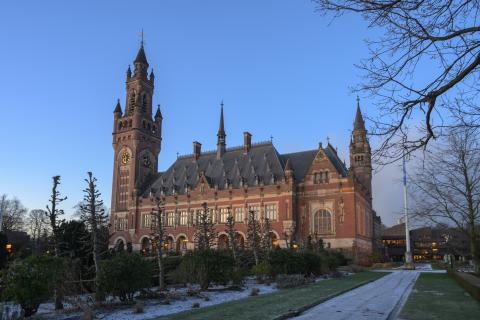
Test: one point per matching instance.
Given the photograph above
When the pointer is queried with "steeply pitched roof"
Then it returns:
(262, 164)
(141, 57)
(359, 123)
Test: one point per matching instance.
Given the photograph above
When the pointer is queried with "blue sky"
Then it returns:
(280, 67)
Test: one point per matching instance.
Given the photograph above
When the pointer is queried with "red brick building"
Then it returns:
(304, 193)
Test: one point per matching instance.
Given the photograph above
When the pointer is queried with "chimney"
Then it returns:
(197, 149)
(247, 141)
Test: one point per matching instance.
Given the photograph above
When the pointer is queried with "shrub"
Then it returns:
(204, 267)
(291, 280)
(286, 262)
(124, 274)
(262, 270)
(313, 264)
(31, 281)
(196, 305)
(254, 292)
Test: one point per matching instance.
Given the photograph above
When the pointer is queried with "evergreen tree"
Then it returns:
(94, 215)
(266, 243)
(159, 237)
(53, 214)
(205, 234)
(253, 234)
(232, 236)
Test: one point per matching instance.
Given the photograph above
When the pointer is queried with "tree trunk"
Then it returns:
(161, 271)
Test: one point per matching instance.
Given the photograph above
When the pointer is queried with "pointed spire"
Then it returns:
(158, 114)
(221, 128)
(359, 123)
(141, 57)
(118, 108)
(221, 145)
(129, 72)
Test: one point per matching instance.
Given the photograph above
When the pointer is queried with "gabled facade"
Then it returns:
(307, 193)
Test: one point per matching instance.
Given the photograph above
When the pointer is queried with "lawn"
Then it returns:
(437, 296)
(270, 306)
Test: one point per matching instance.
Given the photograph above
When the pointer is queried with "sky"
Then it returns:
(282, 70)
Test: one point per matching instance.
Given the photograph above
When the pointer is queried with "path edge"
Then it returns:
(297, 312)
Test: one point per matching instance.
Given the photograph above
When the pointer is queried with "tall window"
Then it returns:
(321, 177)
(170, 219)
(271, 212)
(224, 215)
(121, 224)
(323, 221)
(256, 209)
(238, 214)
(183, 218)
(147, 221)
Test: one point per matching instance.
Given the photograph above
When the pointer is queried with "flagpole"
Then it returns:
(408, 252)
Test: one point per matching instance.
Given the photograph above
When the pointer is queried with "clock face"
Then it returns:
(125, 158)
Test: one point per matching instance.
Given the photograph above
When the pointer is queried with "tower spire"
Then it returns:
(221, 145)
(359, 123)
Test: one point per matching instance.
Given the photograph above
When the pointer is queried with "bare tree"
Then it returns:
(37, 224)
(428, 49)
(253, 234)
(159, 237)
(94, 216)
(205, 234)
(53, 214)
(13, 213)
(232, 235)
(446, 186)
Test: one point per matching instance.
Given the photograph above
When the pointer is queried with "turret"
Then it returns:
(360, 153)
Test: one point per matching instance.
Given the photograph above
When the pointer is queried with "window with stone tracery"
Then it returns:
(322, 222)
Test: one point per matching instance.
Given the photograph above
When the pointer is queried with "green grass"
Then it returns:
(270, 306)
(437, 296)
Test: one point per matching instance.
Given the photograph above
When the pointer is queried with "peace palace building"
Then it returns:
(309, 192)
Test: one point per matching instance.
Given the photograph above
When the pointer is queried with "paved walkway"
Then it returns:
(378, 300)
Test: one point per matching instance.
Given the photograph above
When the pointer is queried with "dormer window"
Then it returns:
(321, 177)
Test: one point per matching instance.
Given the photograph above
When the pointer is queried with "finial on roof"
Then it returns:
(141, 57)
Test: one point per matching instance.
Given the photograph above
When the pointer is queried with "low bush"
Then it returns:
(31, 281)
(254, 292)
(262, 271)
(469, 282)
(204, 267)
(286, 262)
(124, 274)
(292, 280)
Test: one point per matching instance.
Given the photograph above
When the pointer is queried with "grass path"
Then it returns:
(437, 296)
(270, 306)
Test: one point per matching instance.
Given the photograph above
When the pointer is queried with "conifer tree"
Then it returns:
(253, 234)
(266, 237)
(92, 213)
(232, 235)
(205, 234)
(53, 214)
(159, 237)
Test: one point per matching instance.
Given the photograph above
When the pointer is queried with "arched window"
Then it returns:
(132, 101)
(144, 103)
(322, 221)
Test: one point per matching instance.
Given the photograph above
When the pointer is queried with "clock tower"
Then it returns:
(137, 136)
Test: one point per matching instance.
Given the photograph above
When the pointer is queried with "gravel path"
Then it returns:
(378, 300)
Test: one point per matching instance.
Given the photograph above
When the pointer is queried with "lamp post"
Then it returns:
(408, 253)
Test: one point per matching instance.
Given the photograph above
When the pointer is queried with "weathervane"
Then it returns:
(141, 38)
